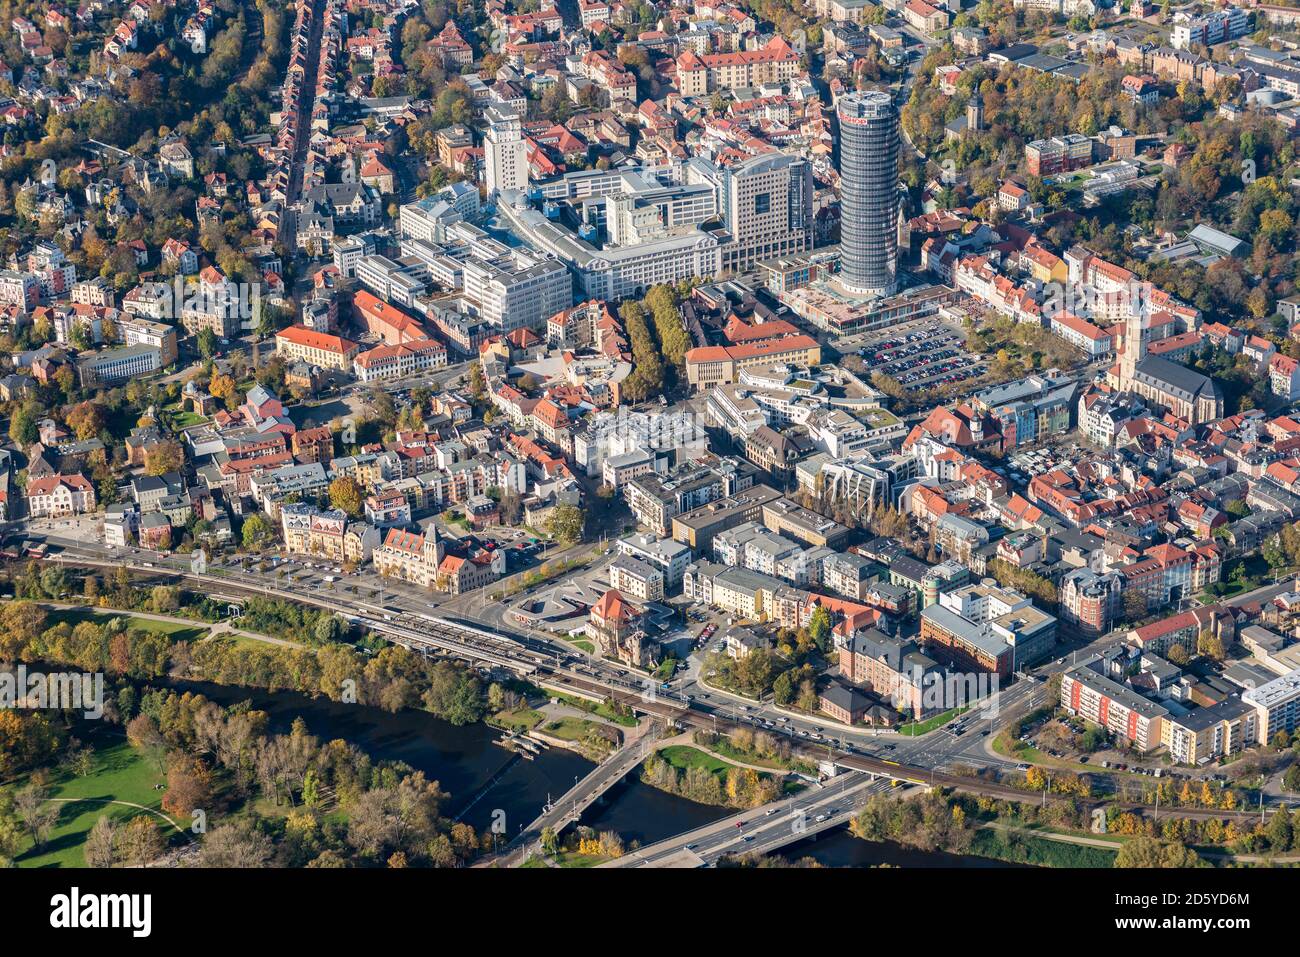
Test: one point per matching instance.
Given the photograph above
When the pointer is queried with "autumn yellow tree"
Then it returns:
(223, 387)
(742, 784)
(86, 420)
(345, 494)
(162, 458)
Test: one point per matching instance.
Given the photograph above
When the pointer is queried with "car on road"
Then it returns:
(740, 824)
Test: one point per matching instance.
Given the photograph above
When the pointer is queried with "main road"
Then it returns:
(766, 829)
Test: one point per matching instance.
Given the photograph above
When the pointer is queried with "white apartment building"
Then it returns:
(1092, 696)
(668, 556)
(636, 578)
(399, 361)
(119, 365)
(505, 156)
(1277, 705)
(1218, 26)
(517, 290)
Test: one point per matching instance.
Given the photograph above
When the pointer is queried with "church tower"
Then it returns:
(974, 113)
(1135, 349)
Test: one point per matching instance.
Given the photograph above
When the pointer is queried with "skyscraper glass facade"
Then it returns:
(868, 192)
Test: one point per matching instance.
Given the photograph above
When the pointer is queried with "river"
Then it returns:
(839, 848)
(645, 814)
(484, 779)
(481, 777)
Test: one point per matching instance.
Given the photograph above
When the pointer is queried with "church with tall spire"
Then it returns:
(1186, 393)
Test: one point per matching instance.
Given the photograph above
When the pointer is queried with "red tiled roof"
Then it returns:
(612, 606)
(308, 338)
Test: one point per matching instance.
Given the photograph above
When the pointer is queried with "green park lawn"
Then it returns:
(724, 748)
(121, 774)
(574, 859)
(174, 630)
(183, 420)
(683, 757)
(1039, 851)
(520, 719)
(570, 729)
(923, 727)
(565, 859)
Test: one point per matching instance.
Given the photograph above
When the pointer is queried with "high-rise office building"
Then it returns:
(505, 156)
(767, 205)
(868, 192)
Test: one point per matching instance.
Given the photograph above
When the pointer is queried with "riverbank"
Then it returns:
(840, 849)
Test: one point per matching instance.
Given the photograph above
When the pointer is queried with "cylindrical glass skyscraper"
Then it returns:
(868, 192)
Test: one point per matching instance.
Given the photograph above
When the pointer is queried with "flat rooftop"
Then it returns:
(1276, 692)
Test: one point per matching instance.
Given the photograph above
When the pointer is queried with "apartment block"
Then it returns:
(697, 527)
(986, 628)
(1088, 693)
(1059, 154)
(1276, 705)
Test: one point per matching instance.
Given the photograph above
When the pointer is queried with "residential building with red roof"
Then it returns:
(1184, 628)
(616, 627)
(54, 496)
(410, 556)
(708, 366)
(298, 343)
(1284, 377)
(398, 361)
(386, 321)
(700, 75)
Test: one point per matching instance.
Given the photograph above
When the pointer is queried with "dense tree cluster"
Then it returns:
(738, 787)
(393, 679)
(27, 739)
(926, 822)
(1025, 581)
(566, 524)
(648, 376)
(664, 305)
(220, 757)
(751, 675)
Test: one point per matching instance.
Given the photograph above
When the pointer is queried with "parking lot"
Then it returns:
(919, 355)
(1027, 463)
